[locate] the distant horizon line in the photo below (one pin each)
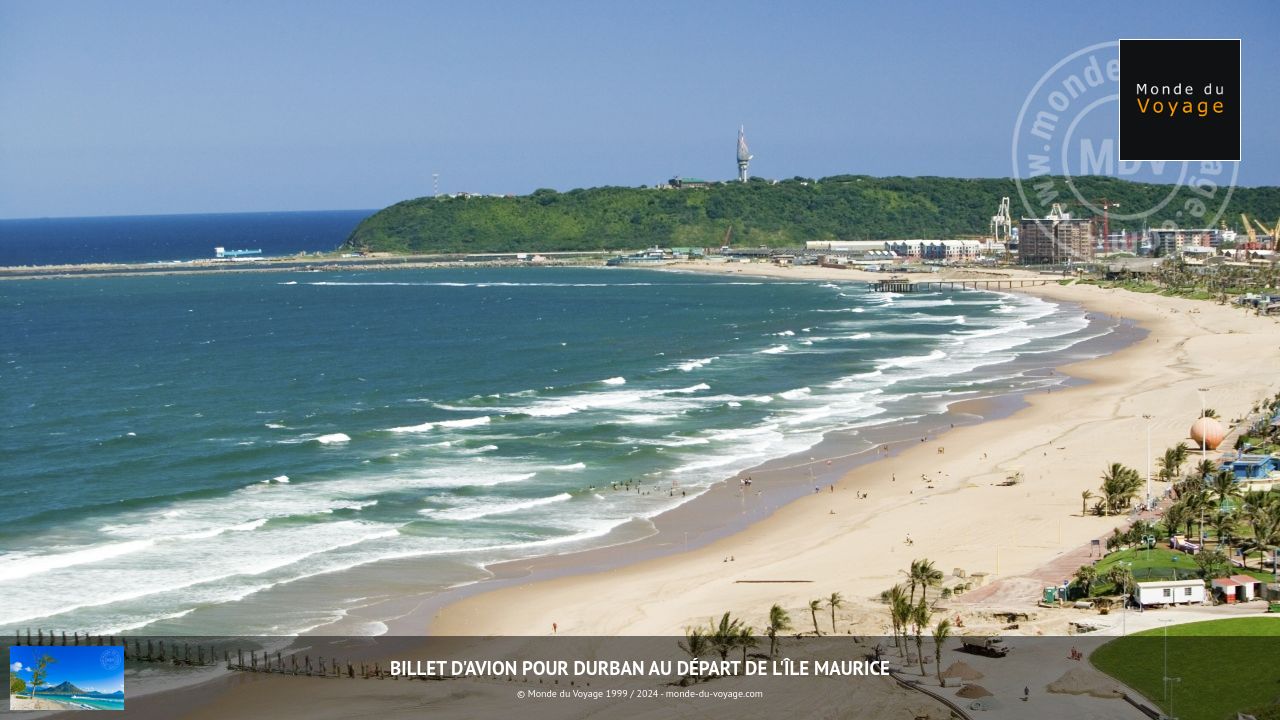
(183, 214)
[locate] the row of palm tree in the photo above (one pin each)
(1258, 511)
(730, 633)
(721, 638)
(910, 618)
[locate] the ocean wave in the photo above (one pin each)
(428, 426)
(242, 527)
(16, 568)
(614, 381)
(910, 360)
(333, 438)
(493, 507)
(794, 394)
(569, 467)
(775, 350)
(691, 365)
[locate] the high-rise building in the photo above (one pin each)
(744, 156)
(1055, 239)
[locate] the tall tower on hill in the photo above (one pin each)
(744, 156)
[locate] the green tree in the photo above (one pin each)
(16, 684)
(920, 617)
(779, 622)
(1085, 495)
(1085, 577)
(1225, 487)
(1212, 564)
(941, 632)
(724, 635)
(1119, 486)
(747, 640)
(814, 607)
(835, 601)
(40, 673)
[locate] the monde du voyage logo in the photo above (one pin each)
(1180, 100)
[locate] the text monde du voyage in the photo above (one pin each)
(1181, 99)
(622, 668)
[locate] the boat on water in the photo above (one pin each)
(221, 252)
(652, 256)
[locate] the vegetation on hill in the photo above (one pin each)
(788, 213)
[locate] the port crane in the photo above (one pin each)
(1273, 233)
(1002, 225)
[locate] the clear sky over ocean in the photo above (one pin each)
(176, 107)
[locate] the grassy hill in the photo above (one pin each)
(790, 212)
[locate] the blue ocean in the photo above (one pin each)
(169, 238)
(220, 453)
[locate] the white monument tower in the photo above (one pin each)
(744, 156)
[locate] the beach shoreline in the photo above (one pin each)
(721, 511)
(662, 595)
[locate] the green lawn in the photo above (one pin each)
(1226, 666)
(1155, 564)
(1159, 563)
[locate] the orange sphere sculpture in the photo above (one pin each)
(1207, 432)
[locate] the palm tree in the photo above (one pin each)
(1174, 517)
(1085, 577)
(1085, 495)
(1119, 486)
(724, 635)
(899, 609)
(695, 643)
(814, 607)
(1224, 528)
(941, 632)
(1172, 461)
(835, 602)
(779, 622)
(920, 618)
(746, 641)
(1205, 469)
(1224, 485)
(924, 575)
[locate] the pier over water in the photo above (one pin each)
(903, 285)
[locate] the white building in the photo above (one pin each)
(1169, 592)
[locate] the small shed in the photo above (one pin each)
(1237, 588)
(1169, 592)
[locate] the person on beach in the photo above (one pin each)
(555, 628)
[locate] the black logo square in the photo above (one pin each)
(1180, 100)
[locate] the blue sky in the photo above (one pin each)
(81, 666)
(176, 106)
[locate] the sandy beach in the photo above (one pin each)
(857, 539)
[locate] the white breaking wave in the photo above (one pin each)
(776, 349)
(615, 381)
(910, 360)
(16, 568)
(691, 365)
(571, 466)
(488, 508)
(428, 426)
(333, 438)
